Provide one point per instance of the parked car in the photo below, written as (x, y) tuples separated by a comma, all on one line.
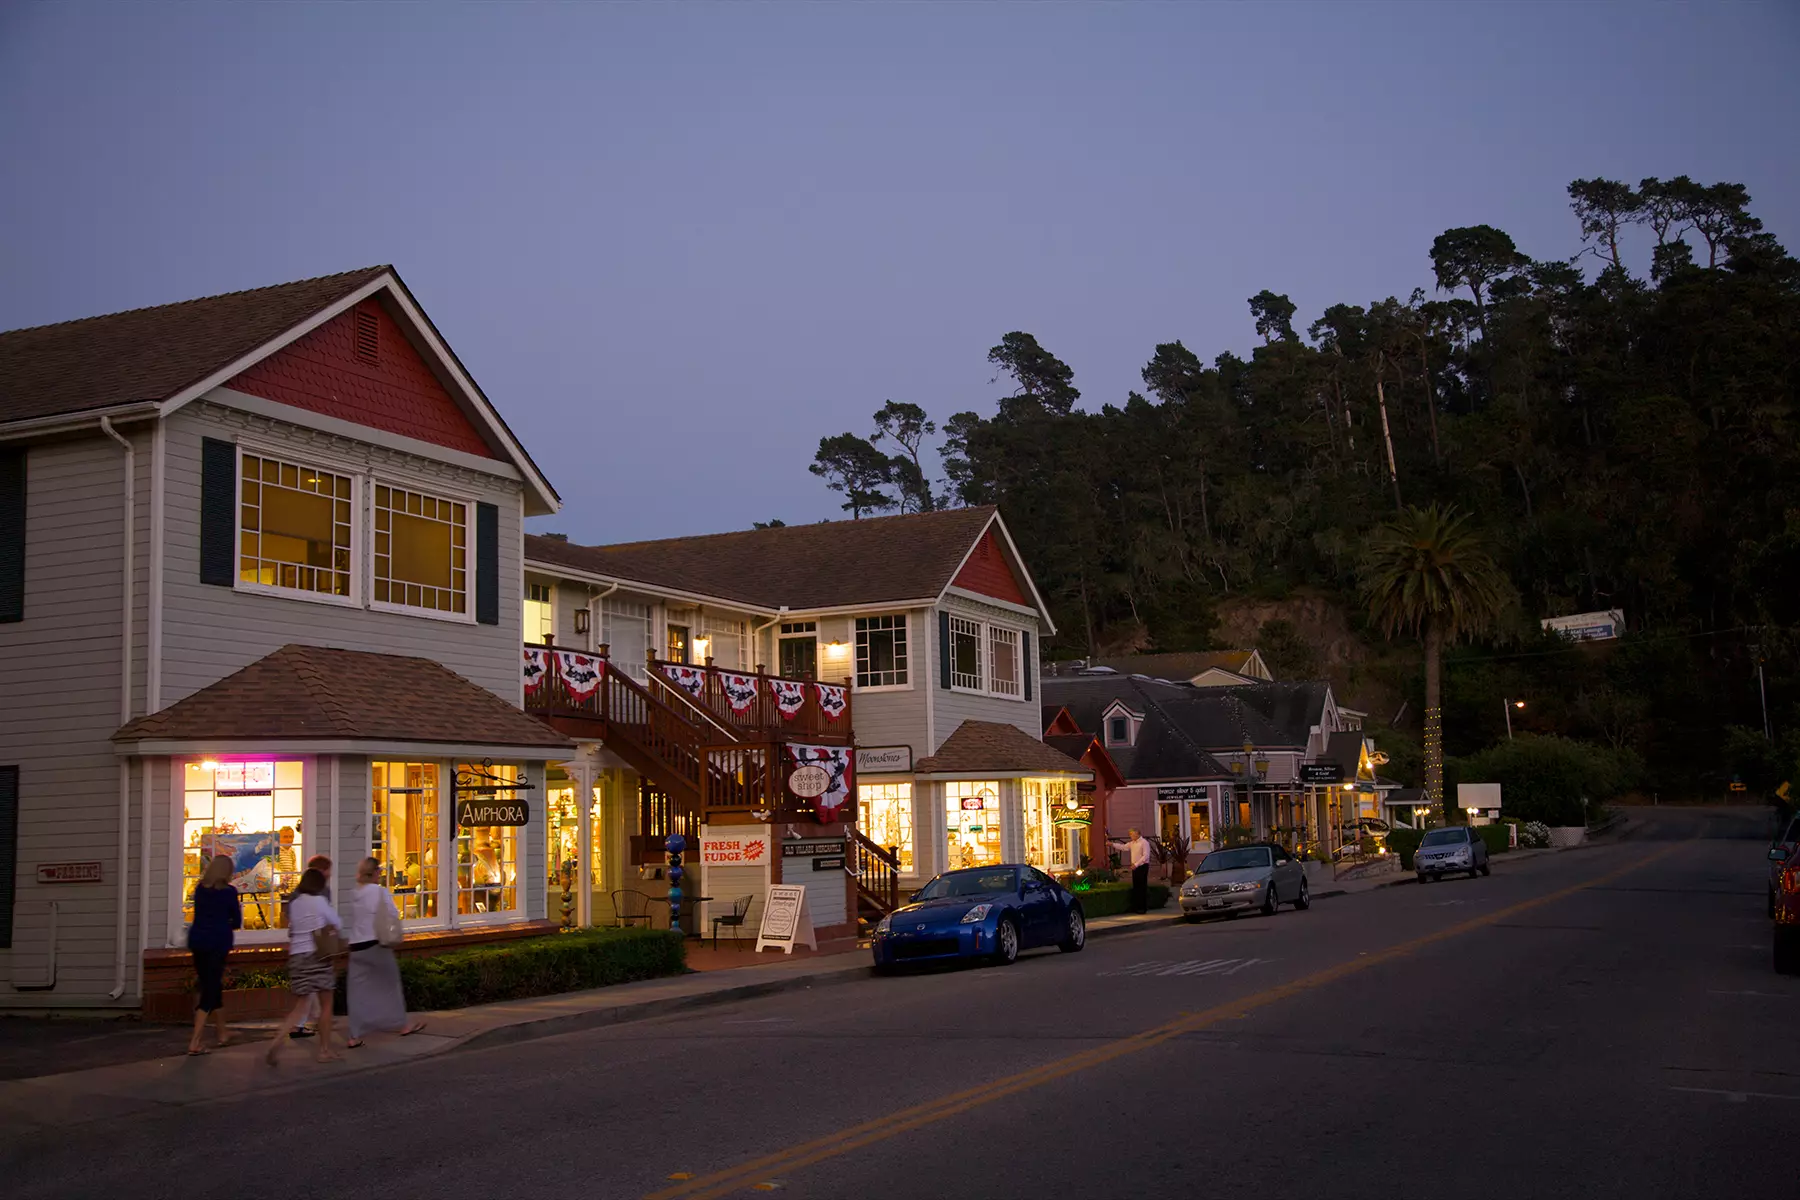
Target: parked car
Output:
[(1228, 882), (1451, 850), (1787, 913), (989, 913), (1784, 845)]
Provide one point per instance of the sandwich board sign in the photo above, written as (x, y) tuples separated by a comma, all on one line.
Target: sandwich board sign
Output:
[(785, 920)]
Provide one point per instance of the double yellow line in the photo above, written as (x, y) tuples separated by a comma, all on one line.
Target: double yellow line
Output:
[(793, 1158)]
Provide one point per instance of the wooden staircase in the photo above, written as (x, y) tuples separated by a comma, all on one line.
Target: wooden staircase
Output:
[(876, 873)]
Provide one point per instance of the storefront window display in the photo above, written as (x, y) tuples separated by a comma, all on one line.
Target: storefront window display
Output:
[(487, 857), (972, 813), (884, 813), (1047, 847), (1200, 824), (252, 811), (403, 834), (564, 817)]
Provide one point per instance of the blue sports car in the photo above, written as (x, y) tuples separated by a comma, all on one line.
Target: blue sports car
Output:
[(983, 912)]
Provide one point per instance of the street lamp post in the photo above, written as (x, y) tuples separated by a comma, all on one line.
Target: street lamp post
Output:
[(1508, 706)]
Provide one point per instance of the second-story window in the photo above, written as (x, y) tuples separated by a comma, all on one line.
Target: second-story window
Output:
[(294, 527), (965, 654), (540, 615), (678, 643), (799, 649), (421, 551), (1003, 661), (1118, 731), (881, 651)]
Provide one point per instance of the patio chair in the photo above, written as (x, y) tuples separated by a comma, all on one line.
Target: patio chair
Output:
[(740, 909), (630, 906)]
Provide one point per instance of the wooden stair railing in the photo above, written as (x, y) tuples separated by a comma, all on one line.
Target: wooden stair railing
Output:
[(877, 873)]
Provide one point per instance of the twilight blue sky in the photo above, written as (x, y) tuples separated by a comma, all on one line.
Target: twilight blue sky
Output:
[(676, 244)]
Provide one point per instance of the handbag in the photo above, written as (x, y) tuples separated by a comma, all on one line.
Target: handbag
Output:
[(328, 942), (388, 930)]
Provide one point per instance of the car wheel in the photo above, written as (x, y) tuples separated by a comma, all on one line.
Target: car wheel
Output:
[(1271, 901), (1487, 868), (1077, 931), (1474, 872), (1787, 949), (1303, 901), (1006, 943), (1422, 878)]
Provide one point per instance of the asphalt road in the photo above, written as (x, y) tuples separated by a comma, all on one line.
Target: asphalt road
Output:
[(1601, 1023)]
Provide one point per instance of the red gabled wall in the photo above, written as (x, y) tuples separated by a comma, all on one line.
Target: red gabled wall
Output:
[(321, 373), (986, 572)]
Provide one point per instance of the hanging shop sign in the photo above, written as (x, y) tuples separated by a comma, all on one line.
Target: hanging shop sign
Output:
[(486, 797), (1079, 818), (69, 872), (785, 919), (1321, 774), (884, 760), (486, 811), (1181, 791), (747, 847), (809, 781)]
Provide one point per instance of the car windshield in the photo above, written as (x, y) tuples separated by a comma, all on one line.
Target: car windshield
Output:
[(1444, 837), (971, 883), (1236, 860)]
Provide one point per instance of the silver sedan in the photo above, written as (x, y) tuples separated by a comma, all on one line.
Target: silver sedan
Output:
[(1451, 851), (1260, 877)]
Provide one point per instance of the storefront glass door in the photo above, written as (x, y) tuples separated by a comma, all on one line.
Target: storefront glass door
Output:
[(884, 815), (403, 834)]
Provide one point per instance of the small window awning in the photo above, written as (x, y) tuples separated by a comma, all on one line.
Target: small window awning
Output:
[(316, 699)]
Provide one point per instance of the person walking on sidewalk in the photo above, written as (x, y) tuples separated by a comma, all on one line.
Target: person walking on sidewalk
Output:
[(1138, 847), (313, 936), (377, 1001), (309, 1023), (209, 939)]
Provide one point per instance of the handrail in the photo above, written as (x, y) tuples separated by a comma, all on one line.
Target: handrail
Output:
[(687, 703), (761, 714), (876, 871)]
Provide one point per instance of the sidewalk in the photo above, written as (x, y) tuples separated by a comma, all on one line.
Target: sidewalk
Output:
[(74, 1097)]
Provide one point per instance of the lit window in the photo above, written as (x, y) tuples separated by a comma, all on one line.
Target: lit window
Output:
[(486, 856), (421, 551), (1003, 661), (965, 654), (252, 812), (294, 527), (403, 834), (884, 815), (1046, 846), (972, 817), (881, 651), (540, 616)]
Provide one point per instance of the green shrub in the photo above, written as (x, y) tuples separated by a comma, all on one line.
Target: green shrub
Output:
[(544, 966), (1235, 835), (1405, 843), (1545, 778), (1111, 899), (1497, 837)]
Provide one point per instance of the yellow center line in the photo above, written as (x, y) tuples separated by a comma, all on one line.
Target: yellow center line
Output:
[(722, 1183)]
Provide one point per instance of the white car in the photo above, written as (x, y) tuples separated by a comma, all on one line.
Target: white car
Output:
[(1451, 851)]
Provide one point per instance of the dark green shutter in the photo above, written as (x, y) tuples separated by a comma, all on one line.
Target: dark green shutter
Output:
[(1025, 658), (943, 649), (9, 850), (218, 511), (487, 564), (12, 535)]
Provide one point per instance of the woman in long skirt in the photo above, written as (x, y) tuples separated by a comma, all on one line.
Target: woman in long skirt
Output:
[(309, 972), (377, 1001)]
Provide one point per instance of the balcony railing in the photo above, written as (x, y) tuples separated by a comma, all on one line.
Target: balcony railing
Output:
[(759, 705)]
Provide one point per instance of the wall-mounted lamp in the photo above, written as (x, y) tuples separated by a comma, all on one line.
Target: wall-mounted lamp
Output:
[(837, 649), (702, 648), (581, 621)]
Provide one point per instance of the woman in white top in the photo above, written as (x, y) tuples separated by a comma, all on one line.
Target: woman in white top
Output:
[(377, 1000), (309, 972)]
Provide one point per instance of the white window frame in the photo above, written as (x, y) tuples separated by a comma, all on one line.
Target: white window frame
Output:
[(448, 882), (175, 814), (1114, 713), (983, 631), (995, 637), (549, 590), (358, 540), (401, 483), (978, 630), (906, 634), (445, 820)]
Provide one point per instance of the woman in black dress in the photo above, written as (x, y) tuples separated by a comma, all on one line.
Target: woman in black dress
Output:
[(216, 914)]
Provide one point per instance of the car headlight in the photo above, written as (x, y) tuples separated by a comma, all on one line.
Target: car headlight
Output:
[(978, 913), (881, 926), (1245, 887)]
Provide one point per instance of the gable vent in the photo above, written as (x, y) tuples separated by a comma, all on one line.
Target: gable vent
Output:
[(368, 336)]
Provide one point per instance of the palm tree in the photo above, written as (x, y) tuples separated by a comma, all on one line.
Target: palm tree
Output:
[(1428, 574)]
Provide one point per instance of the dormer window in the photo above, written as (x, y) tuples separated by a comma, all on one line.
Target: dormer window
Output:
[(1118, 731)]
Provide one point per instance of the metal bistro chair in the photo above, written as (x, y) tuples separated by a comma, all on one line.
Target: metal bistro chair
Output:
[(740, 909), (629, 906)]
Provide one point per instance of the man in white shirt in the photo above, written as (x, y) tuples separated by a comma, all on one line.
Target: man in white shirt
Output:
[(1138, 848)]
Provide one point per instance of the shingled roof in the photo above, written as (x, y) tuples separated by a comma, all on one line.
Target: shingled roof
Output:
[(830, 564), (316, 693), (979, 746), (152, 354)]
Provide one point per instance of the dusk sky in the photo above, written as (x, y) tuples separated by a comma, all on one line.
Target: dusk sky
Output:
[(677, 244)]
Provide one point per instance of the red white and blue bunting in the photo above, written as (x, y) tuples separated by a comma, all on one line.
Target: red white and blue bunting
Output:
[(836, 762), (581, 673), (790, 697), (691, 680), (537, 669), (740, 690), (831, 700)]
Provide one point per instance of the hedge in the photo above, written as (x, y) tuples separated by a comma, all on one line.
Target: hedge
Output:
[(1404, 842), (544, 966), (1111, 899), (1498, 837)]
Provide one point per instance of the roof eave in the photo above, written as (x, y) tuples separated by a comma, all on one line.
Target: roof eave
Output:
[(33, 427)]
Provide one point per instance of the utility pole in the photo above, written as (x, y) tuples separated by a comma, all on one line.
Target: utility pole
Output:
[(1764, 693), (1507, 706)]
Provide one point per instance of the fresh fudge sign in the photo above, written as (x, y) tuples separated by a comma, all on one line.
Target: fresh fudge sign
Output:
[(748, 848)]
